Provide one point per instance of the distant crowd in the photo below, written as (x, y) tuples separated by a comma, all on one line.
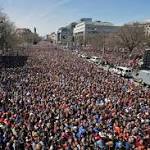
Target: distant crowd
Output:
[(61, 102), (118, 56)]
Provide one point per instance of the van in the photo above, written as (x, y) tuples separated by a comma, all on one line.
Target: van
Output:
[(95, 59), (123, 71)]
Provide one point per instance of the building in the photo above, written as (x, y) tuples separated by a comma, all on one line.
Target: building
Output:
[(145, 24), (62, 35), (52, 37), (85, 20), (147, 28), (75, 32), (65, 35), (87, 28)]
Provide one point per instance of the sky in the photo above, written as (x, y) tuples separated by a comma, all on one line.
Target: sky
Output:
[(49, 15)]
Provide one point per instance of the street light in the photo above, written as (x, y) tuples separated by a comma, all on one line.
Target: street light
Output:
[(1, 23), (2, 20)]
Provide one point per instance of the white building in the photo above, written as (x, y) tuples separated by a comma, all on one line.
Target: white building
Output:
[(52, 37), (147, 28), (68, 35), (87, 28)]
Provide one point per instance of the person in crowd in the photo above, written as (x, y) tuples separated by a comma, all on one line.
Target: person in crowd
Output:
[(61, 102)]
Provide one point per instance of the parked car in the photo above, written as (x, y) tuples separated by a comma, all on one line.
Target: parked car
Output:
[(95, 59), (88, 57), (83, 56), (123, 71)]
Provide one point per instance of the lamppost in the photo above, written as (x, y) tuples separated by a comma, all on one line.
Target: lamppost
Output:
[(2, 38), (1, 34), (103, 43)]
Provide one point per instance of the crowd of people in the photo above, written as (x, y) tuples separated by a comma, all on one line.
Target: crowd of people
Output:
[(119, 56), (61, 102)]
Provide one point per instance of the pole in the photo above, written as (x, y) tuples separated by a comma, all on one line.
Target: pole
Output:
[(103, 45)]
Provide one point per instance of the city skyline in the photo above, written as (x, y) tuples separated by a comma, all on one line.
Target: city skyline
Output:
[(49, 15)]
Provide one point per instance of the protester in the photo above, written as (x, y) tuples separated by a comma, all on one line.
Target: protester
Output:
[(117, 56), (61, 102)]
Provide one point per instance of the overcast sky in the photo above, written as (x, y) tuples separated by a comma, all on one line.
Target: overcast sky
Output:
[(48, 15)]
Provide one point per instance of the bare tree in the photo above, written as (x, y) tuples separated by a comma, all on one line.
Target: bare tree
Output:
[(97, 40), (131, 36), (29, 37), (111, 41), (79, 41), (8, 39)]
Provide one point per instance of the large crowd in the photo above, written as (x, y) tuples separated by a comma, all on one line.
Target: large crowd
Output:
[(118, 56), (61, 102)]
